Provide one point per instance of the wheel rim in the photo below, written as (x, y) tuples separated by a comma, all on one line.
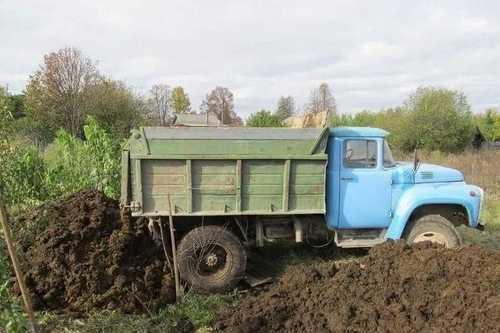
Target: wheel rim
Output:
[(431, 236), (211, 260)]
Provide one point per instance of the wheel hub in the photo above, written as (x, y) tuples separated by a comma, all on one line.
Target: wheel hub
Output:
[(211, 260), (433, 237)]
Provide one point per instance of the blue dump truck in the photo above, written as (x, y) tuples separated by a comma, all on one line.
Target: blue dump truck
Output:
[(232, 188)]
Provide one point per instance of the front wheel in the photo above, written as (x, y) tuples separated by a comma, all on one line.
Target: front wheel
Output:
[(433, 228), (211, 259)]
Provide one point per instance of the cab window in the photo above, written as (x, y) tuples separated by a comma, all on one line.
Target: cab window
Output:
[(360, 154)]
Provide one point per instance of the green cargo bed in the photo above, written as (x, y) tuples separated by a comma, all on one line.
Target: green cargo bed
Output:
[(224, 171)]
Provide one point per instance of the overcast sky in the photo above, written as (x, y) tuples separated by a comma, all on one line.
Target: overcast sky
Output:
[(372, 53)]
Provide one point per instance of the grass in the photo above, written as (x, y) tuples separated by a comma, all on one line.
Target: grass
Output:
[(196, 312)]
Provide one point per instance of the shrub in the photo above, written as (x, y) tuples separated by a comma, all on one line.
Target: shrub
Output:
[(73, 164), (22, 175)]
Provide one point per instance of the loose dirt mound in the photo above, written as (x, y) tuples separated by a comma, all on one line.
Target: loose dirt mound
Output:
[(395, 288), (86, 257)]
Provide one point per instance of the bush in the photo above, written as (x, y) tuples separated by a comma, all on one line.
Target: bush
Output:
[(263, 118), (22, 175), (73, 164)]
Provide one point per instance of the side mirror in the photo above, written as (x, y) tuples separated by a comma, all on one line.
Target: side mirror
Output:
[(416, 160)]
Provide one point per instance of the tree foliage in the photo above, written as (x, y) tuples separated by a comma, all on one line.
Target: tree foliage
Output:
[(180, 100), (56, 93), (285, 108), (115, 106), (489, 124), (439, 119), (264, 118), (65, 90), (430, 119)]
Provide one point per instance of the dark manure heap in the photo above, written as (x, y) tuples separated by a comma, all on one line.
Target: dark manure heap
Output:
[(86, 257), (395, 288)]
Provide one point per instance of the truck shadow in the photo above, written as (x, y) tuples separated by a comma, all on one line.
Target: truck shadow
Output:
[(272, 260)]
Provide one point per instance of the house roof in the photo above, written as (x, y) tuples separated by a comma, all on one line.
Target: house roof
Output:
[(192, 119)]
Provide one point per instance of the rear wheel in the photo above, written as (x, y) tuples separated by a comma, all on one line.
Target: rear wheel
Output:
[(211, 259), (435, 229)]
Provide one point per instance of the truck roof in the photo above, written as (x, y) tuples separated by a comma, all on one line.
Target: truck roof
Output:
[(358, 132)]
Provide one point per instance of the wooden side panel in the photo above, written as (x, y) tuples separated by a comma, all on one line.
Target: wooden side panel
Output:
[(220, 187), (262, 185), (161, 178), (307, 185), (214, 185)]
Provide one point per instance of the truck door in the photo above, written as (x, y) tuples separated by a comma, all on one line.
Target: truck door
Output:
[(365, 187)]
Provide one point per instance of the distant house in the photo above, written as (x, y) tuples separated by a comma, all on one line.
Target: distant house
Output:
[(196, 120), (316, 120)]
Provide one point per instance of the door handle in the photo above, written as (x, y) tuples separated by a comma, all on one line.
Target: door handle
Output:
[(347, 178)]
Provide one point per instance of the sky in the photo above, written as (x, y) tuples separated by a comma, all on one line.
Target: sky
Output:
[(373, 54)]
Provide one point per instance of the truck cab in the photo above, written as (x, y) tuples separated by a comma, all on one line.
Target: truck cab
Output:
[(371, 197)]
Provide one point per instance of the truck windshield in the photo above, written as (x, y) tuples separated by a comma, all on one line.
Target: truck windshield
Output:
[(388, 159)]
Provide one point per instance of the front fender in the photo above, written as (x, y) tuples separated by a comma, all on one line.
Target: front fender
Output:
[(418, 195)]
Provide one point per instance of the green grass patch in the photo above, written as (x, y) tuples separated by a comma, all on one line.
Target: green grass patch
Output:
[(491, 215), (195, 312)]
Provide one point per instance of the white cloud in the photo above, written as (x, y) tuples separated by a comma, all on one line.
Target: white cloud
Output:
[(373, 54)]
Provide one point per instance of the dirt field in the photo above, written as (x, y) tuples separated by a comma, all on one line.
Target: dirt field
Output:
[(87, 258), (84, 257), (395, 288)]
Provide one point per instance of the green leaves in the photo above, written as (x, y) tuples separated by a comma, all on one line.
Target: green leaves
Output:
[(430, 119), (264, 118), (180, 100), (73, 164), (28, 177)]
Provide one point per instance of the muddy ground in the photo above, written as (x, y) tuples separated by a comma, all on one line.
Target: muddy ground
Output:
[(395, 288), (81, 255), (86, 257)]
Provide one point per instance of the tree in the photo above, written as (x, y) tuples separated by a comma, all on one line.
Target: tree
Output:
[(56, 93), (322, 100), (180, 101), (115, 107), (220, 101), (286, 107), (160, 102), (438, 119), (264, 118)]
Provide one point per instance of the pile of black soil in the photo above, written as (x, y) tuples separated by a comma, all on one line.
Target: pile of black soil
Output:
[(395, 288), (86, 257)]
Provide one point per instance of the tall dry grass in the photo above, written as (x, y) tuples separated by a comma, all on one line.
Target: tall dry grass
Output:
[(480, 168)]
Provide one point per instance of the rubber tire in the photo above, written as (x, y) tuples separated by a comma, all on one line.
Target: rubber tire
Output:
[(235, 254), (434, 223)]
